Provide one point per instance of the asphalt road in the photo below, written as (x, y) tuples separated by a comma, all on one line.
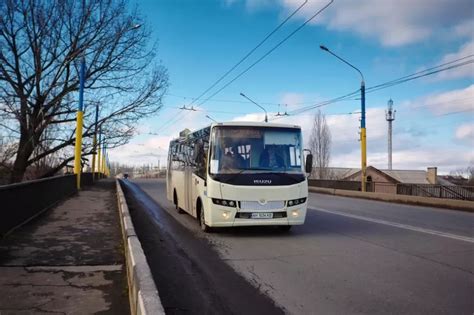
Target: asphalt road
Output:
[(352, 256)]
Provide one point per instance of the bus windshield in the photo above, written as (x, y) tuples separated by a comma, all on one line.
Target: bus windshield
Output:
[(238, 149)]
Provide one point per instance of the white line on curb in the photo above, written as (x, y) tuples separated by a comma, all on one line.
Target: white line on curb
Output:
[(399, 225)]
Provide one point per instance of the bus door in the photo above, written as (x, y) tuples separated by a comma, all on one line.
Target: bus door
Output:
[(188, 189), (199, 172)]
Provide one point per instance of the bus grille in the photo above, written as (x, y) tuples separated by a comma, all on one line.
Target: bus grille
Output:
[(254, 205)]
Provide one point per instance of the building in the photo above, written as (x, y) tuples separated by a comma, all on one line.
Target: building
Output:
[(387, 180)]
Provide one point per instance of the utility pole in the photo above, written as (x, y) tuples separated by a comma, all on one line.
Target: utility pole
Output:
[(79, 122), (390, 117), (363, 131), (94, 142), (266, 115)]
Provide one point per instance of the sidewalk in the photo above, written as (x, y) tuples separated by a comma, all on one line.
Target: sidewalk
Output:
[(67, 261)]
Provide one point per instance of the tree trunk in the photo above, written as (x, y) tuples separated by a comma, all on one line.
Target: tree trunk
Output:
[(25, 149)]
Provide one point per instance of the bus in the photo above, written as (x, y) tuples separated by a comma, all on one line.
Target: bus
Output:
[(240, 174)]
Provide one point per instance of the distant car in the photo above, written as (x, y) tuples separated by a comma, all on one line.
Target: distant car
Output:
[(125, 176)]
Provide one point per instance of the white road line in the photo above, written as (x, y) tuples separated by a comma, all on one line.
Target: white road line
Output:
[(399, 225)]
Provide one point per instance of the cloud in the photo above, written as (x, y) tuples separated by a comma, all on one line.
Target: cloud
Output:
[(467, 71), (465, 28), (251, 5), (150, 148), (465, 132), (292, 100), (421, 158), (392, 22), (448, 102), (148, 151)]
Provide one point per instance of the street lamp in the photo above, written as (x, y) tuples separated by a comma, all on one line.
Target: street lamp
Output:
[(210, 118), (363, 133), (80, 119), (94, 141), (266, 117), (99, 153)]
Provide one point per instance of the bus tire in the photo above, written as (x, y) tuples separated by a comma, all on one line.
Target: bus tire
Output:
[(202, 222), (175, 201)]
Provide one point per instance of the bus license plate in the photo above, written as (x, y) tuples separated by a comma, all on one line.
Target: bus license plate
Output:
[(262, 215)]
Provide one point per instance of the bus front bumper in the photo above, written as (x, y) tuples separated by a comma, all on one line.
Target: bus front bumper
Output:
[(227, 217)]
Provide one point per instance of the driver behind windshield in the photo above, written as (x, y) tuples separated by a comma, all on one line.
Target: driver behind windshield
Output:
[(271, 157), (231, 159)]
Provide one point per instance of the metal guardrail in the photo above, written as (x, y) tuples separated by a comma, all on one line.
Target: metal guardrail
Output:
[(421, 190), (21, 202), (437, 191)]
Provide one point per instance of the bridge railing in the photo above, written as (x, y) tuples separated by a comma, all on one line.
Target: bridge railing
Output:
[(422, 190), (437, 191), (21, 202)]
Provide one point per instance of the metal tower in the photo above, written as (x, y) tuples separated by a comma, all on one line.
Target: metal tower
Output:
[(390, 116)]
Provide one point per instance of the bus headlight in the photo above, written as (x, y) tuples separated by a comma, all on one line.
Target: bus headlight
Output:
[(224, 202), (226, 214), (296, 202)]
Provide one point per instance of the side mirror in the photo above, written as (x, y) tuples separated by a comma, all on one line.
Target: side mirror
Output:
[(309, 163)]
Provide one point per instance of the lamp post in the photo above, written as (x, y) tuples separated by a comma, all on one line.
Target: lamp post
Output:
[(363, 132), (266, 116), (79, 121), (210, 118), (99, 153), (94, 141)]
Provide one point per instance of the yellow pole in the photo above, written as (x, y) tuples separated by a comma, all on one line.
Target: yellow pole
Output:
[(363, 135), (94, 148), (363, 147), (103, 163), (79, 120), (77, 149), (98, 159)]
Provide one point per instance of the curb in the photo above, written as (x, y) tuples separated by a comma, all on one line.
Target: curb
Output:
[(451, 204), (142, 291)]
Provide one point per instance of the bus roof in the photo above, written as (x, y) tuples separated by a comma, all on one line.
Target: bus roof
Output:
[(254, 124), (185, 133)]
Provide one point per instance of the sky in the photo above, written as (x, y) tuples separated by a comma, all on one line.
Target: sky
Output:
[(198, 41)]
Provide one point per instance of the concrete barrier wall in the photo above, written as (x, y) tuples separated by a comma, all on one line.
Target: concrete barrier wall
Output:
[(142, 291), (335, 184), (413, 200)]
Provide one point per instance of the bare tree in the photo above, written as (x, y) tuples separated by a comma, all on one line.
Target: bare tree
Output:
[(320, 145), (466, 175), (42, 44)]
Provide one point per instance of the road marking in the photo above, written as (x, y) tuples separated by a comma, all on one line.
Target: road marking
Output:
[(399, 225)]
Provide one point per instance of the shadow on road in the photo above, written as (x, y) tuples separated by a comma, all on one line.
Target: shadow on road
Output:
[(188, 272)]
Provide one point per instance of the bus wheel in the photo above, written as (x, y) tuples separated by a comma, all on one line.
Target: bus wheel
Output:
[(204, 227), (284, 228), (175, 201)]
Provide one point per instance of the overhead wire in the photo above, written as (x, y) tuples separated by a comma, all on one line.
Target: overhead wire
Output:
[(425, 70), (267, 53), (413, 76), (170, 122), (240, 102), (387, 85), (249, 53)]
